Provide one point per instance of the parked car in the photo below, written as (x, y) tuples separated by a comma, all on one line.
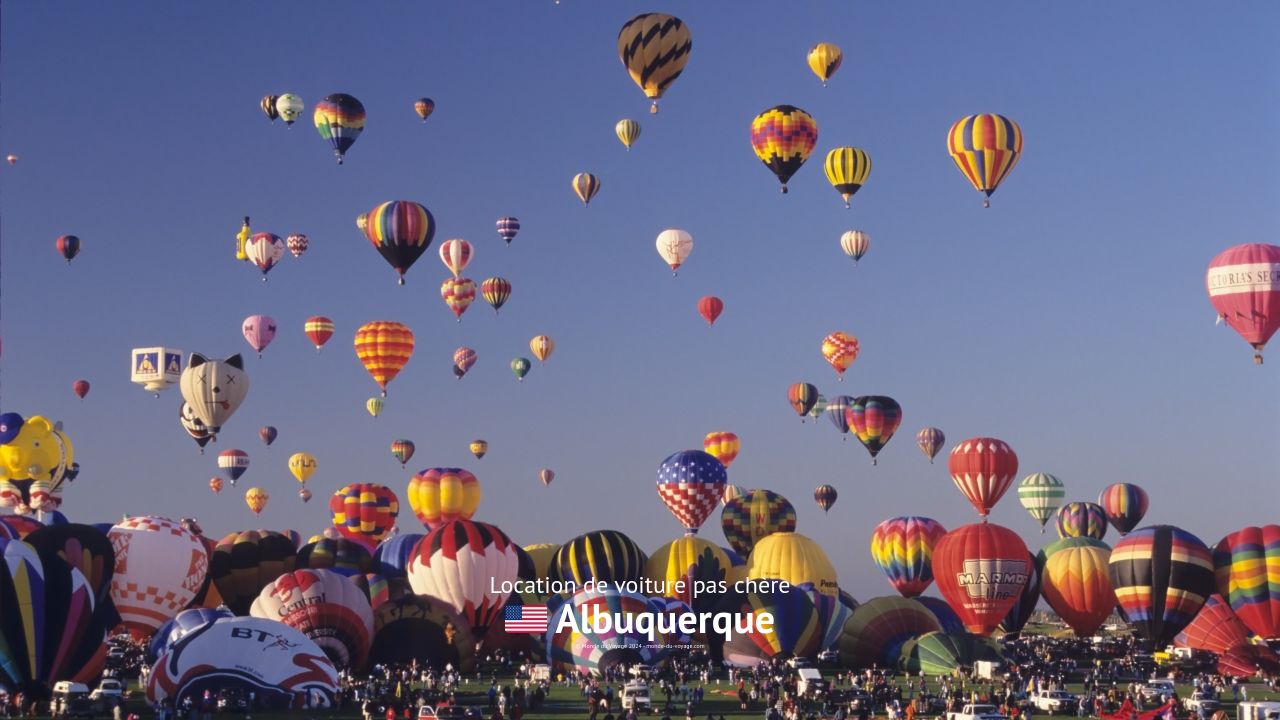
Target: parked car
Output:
[(1054, 702), (72, 700), (635, 696), (977, 712), (1201, 701), (1155, 689), (830, 655), (108, 688)]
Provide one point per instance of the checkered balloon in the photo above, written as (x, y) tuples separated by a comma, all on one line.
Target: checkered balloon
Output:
[(690, 483)]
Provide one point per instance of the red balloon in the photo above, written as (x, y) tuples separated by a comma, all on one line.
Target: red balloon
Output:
[(80, 388), (1244, 287), (983, 468), (710, 308), (980, 570)]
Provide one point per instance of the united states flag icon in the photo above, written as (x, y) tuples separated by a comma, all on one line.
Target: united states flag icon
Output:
[(524, 618)]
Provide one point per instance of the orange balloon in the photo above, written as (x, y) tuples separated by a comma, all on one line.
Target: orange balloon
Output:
[(384, 348)]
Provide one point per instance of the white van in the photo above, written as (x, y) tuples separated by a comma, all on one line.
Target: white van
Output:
[(1258, 711), (635, 695), (810, 682)]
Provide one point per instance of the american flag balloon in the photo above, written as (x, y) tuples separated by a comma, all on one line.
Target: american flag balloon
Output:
[(690, 483)]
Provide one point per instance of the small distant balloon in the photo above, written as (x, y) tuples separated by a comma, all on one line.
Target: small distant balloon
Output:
[(463, 359), (824, 60), (297, 244), (256, 499), (507, 228), (80, 388), (710, 307), (68, 247), (495, 291), (305, 494), (520, 366), (586, 186), (479, 448), (215, 484), (402, 450), (628, 131), (268, 434), (424, 106), (546, 476), (855, 244), (542, 347), (319, 329), (374, 405), (12, 159)]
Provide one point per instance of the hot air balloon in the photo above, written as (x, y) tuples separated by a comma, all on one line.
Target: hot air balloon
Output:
[(462, 563), (400, 231), (783, 138), (902, 547), (402, 450), (802, 396), (847, 170), (289, 106), (1216, 628), (80, 388), (585, 185), (545, 476), (374, 405), (687, 560), (215, 484), (1162, 575), (1041, 494), (339, 118), (441, 495), (458, 293), (182, 624), (855, 244), (819, 407), (1244, 287), (1082, 519), (947, 653), (690, 483), (424, 107), (214, 389), (985, 148), (542, 347), (507, 228), (264, 250), (674, 246), (1076, 582), (805, 620), (478, 448), (875, 418), (463, 359), (1247, 568), (68, 247), (302, 465), (233, 463), (384, 348), (838, 413), (628, 131), (794, 558), (981, 570), (319, 329), (424, 630), (12, 159), (1125, 505), (258, 331), (297, 244), (825, 496), (364, 513), (930, 440), (877, 630), (521, 366), (159, 566), (983, 469), (710, 307), (456, 255), (580, 649), (1025, 604), (325, 607), (606, 556), (304, 494), (754, 515), (495, 291), (840, 349), (267, 434), (194, 426), (256, 499), (268, 106), (722, 445), (654, 48), (824, 59)]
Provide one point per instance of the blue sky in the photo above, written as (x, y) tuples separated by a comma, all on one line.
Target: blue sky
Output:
[(1070, 319)]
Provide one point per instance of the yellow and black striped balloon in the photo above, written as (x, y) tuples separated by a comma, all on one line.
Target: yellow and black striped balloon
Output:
[(654, 47), (602, 555), (847, 169)]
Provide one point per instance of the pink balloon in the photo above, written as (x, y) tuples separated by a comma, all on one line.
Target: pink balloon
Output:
[(259, 331)]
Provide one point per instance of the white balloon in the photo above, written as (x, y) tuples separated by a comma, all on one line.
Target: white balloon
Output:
[(214, 389), (674, 246)]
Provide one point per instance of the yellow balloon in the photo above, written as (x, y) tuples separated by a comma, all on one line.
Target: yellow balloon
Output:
[(654, 47), (627, 130), (479, 448), (542, 347), (675, 565), (824, 60), (374, 406), (302, 465), (440, 495), (256, 499), (794, 558)]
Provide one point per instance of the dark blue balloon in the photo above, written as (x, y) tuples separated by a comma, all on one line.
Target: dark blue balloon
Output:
[(391, 557), (692, 467), (176, 628), (10, 424)]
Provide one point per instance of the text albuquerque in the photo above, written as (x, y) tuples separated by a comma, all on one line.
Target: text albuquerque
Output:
[(650, 624)]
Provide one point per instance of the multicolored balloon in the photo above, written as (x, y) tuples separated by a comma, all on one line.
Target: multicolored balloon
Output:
[(402, 450), (323, 606), (463, 359), (877, 631), (401, 231), (825, 496), (507, 228), (840, 350), (339, 118), (855, 244), (458, 294), (654, 47), (1125, 505), (159, 566), (1041, 494), (783, 138), (981, 570), (215, 484), (268, 105), (264, 250), (1162, 576), (456, 254), (424, 106), (384, 348), (847, 170), (68, 246), (690, 483), (902, 547), (930, 440), (297, 244), (233, 463), (478, 448), (1076, 582), (441, 495), (463, 563), (256, 498), (875, 418), (495, 291), (754, 515), (824, 59), (985, 148), (1247, 570), (364, 513), (585, 185), (289, 106), (318, 329), (722, 445), (838, 413), (1082, 519), (267, 434), (983, 469), (802, 396)]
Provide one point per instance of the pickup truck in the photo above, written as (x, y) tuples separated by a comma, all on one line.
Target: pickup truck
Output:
[(1201, 701), (977, 712), (1054, 702)]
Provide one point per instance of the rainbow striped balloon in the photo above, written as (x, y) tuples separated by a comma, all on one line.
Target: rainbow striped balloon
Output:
[(1082, 519), (1247, 566), (903, 548), (1162, 576)]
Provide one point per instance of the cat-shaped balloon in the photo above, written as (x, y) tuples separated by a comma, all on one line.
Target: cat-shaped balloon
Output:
[(214, 389)]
